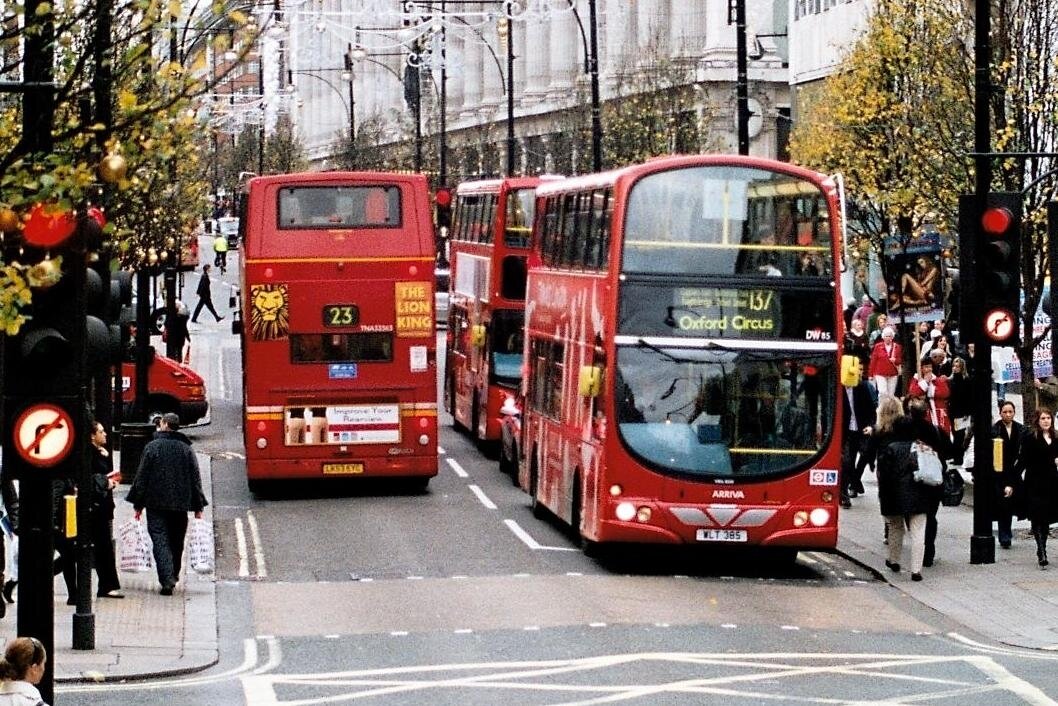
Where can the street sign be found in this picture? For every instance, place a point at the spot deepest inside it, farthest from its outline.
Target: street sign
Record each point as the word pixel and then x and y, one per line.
pixel 999 323
pixel 43 435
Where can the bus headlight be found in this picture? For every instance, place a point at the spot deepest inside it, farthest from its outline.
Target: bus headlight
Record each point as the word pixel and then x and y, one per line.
pixel 827 496
pixel 424 440
pixel 262 442
pixel 819 517
pixel 625 512
pixel 800 518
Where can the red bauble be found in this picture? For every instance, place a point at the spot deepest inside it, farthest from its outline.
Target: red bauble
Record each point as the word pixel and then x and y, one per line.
pixel 48 228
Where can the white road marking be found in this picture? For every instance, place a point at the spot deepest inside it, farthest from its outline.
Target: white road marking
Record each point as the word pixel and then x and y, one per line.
pixel 482 497
pixel 221 387
pixel 456 467
pixel 258 550
pixel 440 451
pixel 240 543
pixel 752 677
pixel 530 542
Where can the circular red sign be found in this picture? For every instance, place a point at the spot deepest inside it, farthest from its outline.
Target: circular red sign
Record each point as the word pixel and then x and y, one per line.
pixel 43 435
pixel 443 197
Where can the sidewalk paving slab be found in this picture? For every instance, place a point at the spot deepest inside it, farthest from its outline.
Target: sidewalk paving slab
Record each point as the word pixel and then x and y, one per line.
pixel 146 634
pixel 1012 601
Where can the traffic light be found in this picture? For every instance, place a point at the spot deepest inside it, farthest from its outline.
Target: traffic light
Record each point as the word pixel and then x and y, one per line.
pixel 443 202
pixel 999 267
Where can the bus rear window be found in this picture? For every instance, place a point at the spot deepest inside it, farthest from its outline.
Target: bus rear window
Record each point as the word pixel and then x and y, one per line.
pixel 329 207
pixel 341 347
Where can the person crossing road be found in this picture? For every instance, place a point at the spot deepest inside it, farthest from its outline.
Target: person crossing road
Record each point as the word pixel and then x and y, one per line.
pixel 205 296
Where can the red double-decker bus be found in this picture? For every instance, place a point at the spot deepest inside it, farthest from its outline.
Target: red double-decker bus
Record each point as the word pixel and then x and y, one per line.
pixel 338 340
pixel 488 249
pixel 681 374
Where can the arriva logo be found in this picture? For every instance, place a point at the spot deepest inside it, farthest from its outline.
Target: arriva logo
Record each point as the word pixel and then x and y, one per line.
pixel 729 494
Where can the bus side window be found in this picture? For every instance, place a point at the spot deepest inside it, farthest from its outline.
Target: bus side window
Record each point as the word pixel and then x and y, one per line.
pixel 376 208
pixel 289 210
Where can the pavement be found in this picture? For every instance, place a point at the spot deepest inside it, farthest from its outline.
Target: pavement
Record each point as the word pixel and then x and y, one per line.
pixel 1012 601
pixel 146 634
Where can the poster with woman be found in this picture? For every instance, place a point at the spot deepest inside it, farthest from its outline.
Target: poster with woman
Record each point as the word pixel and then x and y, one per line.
pixel 914 279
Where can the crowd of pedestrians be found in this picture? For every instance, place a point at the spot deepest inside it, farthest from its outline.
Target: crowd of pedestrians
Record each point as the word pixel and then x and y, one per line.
pixel 893 419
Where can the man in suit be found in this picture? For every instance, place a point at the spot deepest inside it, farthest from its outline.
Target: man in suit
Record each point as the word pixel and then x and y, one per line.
pixel 1006 482
pixel 857 423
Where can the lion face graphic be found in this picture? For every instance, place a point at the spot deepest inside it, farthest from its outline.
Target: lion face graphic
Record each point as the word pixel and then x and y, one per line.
pixel 269 312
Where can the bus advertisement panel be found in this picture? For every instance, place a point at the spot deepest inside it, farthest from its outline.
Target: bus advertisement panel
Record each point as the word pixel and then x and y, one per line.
pixel 488 252
pixel 681 357
pixel 338 342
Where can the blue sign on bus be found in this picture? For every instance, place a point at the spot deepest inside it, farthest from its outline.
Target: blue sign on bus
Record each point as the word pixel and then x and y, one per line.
pixel 342 371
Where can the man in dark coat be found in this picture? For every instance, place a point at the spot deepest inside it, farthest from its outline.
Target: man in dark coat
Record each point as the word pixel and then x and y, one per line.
pixel 857 423
pixel 205 296
pixel 169 485
pixel 1006 478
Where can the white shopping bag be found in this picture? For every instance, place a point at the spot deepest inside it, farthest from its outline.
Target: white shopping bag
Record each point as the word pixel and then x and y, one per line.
pixel 200 546
pixel 136 553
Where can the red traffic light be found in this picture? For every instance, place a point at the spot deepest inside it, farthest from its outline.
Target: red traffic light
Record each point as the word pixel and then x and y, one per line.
pixel 443 197
pixel 996 220
pixel 48 226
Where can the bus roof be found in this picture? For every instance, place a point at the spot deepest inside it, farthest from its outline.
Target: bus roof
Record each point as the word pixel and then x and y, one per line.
pixel 485 186
pixel 660 164
pixel 335 177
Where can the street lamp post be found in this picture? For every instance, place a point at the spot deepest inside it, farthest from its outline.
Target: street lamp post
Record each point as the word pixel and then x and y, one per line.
pixel 742 82
pixel 348 58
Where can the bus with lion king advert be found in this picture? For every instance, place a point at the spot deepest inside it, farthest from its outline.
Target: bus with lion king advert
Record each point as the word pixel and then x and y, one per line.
pixel 338 338
pixel 681 375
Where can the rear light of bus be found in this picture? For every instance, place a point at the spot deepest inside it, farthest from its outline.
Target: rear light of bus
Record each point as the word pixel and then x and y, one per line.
pixel 262 442
pixel 424 439
pixel 818 517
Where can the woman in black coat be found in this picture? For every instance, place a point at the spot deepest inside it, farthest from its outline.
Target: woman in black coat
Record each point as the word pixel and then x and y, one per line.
pixel 904 502
pixel 959 408
pixel 1039 496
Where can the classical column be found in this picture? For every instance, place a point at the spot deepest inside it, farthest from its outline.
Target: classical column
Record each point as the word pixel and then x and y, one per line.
pixel 619 23
pixel 688 25
pixel 456 94
pixel 565 38
pixel 652 29
pixel 537 33
pixel 494 61
pixel 472 52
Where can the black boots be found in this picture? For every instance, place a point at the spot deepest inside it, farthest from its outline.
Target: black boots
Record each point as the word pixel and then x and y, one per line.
pixel 1040 535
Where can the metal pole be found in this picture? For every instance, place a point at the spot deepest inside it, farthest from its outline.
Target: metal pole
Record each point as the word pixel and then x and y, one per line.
pixel 261 129
pixel 510 98
pixel 982 542
pixel 596 108
pixel 742 84
pixel 443 167
pixel 417 109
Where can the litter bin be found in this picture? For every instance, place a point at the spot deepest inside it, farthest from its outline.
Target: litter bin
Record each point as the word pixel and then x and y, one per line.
pixel 134 436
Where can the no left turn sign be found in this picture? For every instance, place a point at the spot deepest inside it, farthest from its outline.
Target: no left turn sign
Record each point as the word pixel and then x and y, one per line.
pixel 43 435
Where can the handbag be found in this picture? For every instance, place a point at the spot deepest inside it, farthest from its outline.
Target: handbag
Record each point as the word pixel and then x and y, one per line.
pixel 928 468
pixel 136 549
pixel 954 487
pixel 200 546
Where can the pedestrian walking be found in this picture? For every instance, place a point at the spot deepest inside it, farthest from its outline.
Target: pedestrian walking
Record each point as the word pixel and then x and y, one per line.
pixel 1039 497
pixel 169 486
pixel 926 431
pixel 857 423
pixel 102 498
pixel 205 296
pixel 902 500
pixel 66 563
pixel 960 405
pixel 886 357
pixel 21 670
pixel 176 336
pixel 8 540
pixel 220 252
pixel 927 385
pixel 1006 479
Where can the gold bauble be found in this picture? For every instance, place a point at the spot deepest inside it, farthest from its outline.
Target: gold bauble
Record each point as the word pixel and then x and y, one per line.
pixel 9 220
pixel 112 168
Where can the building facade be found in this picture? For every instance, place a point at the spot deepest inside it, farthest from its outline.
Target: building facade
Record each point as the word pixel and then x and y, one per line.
pixel 668 65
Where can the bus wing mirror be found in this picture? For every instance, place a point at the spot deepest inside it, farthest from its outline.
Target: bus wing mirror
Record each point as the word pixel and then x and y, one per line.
pixel 477 335
pixel 590 381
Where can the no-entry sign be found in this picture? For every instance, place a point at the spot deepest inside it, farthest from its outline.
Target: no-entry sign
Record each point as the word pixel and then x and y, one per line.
pixel 43 435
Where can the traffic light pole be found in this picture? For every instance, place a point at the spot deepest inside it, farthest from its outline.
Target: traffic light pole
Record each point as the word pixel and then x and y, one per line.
pixel 982 542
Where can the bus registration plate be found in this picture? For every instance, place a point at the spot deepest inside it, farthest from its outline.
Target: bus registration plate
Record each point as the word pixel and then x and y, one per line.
pixel 721 535
pixel 343 468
